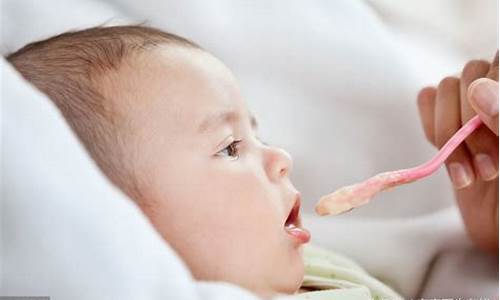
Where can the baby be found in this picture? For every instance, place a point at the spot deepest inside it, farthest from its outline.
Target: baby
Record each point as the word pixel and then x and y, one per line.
pixel 167 124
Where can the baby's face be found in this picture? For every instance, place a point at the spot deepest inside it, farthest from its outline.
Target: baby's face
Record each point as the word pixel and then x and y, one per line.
pixel 216 193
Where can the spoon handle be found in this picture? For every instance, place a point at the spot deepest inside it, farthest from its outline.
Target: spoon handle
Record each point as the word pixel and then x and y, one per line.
pixel 434 163
pixel 349 197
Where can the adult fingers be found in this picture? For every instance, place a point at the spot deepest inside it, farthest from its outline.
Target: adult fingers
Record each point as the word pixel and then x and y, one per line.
pixel 426 101
pixel 473 70
pixel 447 122
pixel 482 143
pixel 493 73
pixel 483 97
pixel 493 107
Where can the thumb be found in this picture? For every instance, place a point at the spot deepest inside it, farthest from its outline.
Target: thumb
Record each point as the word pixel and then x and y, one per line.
pixel 483 97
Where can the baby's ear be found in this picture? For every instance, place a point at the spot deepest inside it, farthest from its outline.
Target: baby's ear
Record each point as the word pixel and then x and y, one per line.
pixel 493 72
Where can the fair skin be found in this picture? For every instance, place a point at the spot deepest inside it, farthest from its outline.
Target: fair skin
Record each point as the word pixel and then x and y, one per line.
pixel 220 203
pixel 473 167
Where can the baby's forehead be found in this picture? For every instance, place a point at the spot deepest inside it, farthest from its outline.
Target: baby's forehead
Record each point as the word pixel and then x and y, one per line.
pixel 212 120
pixel 189 61
pixel 183 85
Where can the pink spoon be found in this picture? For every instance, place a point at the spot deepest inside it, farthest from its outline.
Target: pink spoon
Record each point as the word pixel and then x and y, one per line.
pixel 349 197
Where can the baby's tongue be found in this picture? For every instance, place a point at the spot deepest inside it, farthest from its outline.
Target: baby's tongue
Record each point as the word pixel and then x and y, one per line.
pixel 301 234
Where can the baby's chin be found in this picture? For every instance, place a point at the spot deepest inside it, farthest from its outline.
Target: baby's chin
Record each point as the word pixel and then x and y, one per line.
pixel 291 280
pixel 289 289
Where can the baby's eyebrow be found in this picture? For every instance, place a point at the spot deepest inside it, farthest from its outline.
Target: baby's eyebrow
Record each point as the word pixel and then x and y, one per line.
pixel 219 118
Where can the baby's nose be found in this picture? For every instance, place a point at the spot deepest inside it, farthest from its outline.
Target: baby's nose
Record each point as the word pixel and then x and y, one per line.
pixel 278 163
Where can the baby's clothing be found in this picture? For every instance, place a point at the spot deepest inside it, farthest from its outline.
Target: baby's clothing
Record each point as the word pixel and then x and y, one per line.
pixel 329 275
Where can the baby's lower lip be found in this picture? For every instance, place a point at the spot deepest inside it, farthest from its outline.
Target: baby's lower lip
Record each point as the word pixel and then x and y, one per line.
pixel 302 235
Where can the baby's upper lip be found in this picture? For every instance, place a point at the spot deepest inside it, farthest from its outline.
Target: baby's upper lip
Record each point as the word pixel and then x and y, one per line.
pixel 293 216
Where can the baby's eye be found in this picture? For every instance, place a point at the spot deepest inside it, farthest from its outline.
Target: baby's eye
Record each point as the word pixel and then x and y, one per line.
pixel 230 151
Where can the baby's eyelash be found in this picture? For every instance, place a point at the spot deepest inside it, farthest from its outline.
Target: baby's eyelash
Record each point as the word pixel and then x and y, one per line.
pixel 232 150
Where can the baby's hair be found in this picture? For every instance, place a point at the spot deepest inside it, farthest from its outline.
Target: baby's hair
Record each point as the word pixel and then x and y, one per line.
pixel 68 68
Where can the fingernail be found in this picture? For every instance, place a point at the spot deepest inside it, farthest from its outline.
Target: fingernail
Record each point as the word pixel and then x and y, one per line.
pixel 485 166
pixel 484 93
pixel 460 176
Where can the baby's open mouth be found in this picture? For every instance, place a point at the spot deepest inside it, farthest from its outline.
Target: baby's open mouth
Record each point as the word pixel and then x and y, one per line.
pixel 293 217
pixel 293 224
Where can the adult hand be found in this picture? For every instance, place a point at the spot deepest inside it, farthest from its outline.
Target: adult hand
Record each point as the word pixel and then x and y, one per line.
pixel 473 166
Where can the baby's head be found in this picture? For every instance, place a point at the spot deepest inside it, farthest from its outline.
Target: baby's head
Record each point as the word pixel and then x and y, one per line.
pixel 166 122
